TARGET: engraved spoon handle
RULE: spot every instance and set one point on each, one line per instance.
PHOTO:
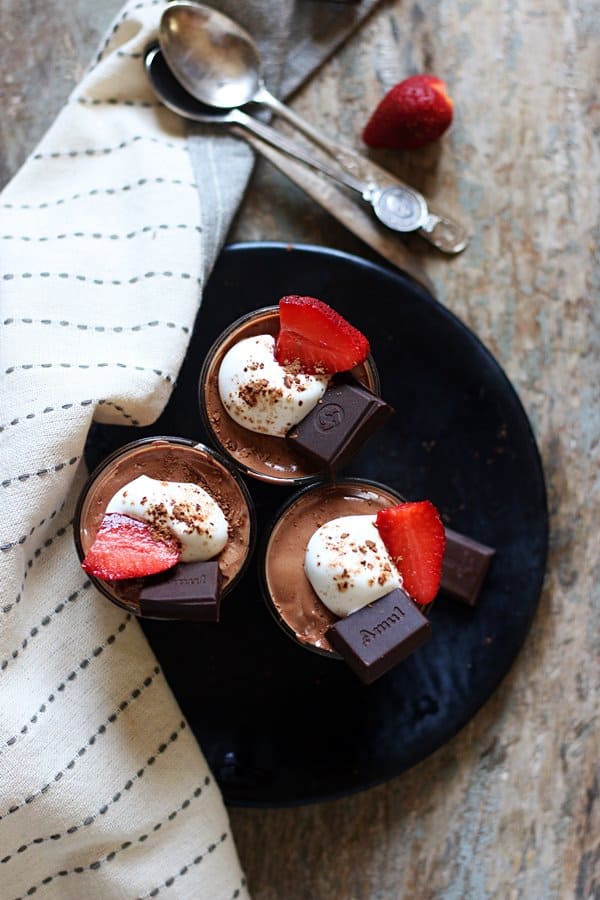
(440, 230)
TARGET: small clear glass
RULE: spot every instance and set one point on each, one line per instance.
(286, 590)
(266, 458)
(168, 459)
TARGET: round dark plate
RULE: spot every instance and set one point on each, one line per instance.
(283, 726)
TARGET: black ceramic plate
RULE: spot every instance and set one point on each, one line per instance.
(280, 725)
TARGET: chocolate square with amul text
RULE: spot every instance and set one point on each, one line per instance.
(377, 637)
(190, 591)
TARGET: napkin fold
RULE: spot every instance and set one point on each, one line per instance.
(108, 234)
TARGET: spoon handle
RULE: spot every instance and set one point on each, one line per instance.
(348, 159)
(400, 208)
(298, 151)
(356, 217)
(443, 232)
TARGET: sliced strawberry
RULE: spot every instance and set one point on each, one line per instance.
(314, 338)
(413, 113)
(415, 539)
(127, 548)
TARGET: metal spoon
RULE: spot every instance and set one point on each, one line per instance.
(218, 62)
(400, 208)
(336, 201)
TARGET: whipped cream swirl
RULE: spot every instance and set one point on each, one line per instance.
(182, 508)
(348, 564)
(261, 395)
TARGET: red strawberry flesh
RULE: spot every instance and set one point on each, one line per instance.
(317, 340)
(415, 538)
(413, 113)
(127, 548)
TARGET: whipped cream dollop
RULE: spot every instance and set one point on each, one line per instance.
(181, 507)
(348, 565)
(261, 395)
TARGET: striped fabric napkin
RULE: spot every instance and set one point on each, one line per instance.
(108, 234)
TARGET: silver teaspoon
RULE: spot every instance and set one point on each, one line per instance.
(337, 202)
(402, 209)
(219, 63)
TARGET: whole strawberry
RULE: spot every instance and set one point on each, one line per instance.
(413, 113)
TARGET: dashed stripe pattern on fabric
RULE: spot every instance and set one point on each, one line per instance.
(98, 236)
(62, 685)
(140, 839)
(104, 191)
(101, 730)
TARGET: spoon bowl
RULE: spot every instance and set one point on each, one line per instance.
(175, 97)
(211, 55)
(219, 63)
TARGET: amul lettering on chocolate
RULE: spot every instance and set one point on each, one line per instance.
(190, 591)
(370, 634)
(341, 422)
(379, 636)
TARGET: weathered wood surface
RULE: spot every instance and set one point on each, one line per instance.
(509, 808)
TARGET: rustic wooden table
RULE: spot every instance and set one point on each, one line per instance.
(508, 809)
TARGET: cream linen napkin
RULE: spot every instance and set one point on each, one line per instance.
(108, 234)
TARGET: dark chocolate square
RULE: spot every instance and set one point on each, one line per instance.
(379, 636)
(190, 591)
(465, 566)
(341, 422)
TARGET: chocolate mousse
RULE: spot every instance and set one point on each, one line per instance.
(288, 591)
(262, 456)
(169, 460)
(309, 518)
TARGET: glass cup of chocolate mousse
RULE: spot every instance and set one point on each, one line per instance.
(145, 472)
(280, 459)
(286, 588)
